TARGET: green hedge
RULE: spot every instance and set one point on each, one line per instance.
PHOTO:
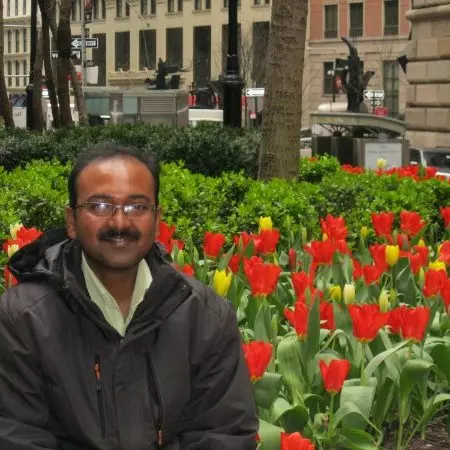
(36, 196)
(208, 148)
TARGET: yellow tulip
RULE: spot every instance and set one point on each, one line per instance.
(364, 232)
(392, 254)
(421, 243)
(221, 282)
(13, 229)
(265, 223)
(383, 301)
(335, 293)
(437, 265)
(349, 293)
(381, 163)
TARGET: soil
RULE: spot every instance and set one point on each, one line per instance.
(437, 438)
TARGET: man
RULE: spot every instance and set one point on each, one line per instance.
(103, 344)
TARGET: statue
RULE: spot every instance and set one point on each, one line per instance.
(354, 82)
(162, 71)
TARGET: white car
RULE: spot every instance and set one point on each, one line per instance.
(438, 157)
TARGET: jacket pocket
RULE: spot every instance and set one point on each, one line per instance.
(156, 407)
(99, 393)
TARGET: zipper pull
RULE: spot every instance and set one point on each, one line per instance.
(160, 438)
(98, 373)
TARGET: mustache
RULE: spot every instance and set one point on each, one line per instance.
(110, 234)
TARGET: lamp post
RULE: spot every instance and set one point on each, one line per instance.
(231, 79)
(33, 48)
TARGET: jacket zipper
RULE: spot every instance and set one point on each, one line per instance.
(99, 390)
(158, 421)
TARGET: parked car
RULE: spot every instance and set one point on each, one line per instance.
(438, 157)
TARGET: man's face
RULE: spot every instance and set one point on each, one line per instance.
(116, 242)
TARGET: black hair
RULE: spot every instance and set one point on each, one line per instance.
(110, 150)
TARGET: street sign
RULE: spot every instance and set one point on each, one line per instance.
(381, 111)
(254, 92)
(89, 43)
(370, 95)
(75, 54)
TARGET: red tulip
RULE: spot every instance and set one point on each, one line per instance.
(187, 269)
(415, 261)
(301, 281)
(367, 321)
(321, 251)
(234, 263)
(378, 253)
(213, 243)
(423, 252)
(257, 356)
(444, 252)
(411, 222)
(395, 319)
(334, 227)
(434, 281)
(246, 238)
(327, 316)
(28, 235)
(298, 319)
(334, 374)
(164, 236)
(263, 278)
(357, 269)
(445, 213)
(295, 441)
(372, 274)
(10, 280)
(382, 223)
(415, 322)
(445, 294)
(403, 241)
(268, 241)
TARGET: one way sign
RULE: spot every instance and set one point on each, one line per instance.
(88, 43)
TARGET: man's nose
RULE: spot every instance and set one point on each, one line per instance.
(119, 219)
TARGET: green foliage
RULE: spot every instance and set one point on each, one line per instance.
(314, 169)
(208, 148)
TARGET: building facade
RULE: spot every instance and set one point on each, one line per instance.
(16, 39)
(377, 28)
(134, 34)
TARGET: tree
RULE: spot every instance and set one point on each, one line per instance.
(4, 100)
(282, 117)
(38, 121)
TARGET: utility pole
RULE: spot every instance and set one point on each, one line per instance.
(33, 49)
(83, 43)
(231, 80)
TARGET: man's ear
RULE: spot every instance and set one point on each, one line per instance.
(70, 222)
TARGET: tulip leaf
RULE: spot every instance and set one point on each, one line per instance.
(383, 402)
(415, 371)
(225, 258)
(355, 439)
(372, 366)
(270, 435)
(267, 389)
(433, 404)
(263, 323)
(291, 418)
(441, 357)
(362, 397)
(290, 366)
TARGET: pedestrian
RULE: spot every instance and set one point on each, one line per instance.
(104, 344)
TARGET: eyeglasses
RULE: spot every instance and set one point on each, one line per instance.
(103, 209)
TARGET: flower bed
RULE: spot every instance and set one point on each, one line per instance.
(344, 346)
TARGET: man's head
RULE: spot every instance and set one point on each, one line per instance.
(113, 206)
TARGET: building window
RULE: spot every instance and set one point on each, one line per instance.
(391, 86)
(153, 7)
(9, 41)
(174, 46)
(328, 78)
(225, 3)
(17, 41)
(25, 42)
(171, 6)
(103, 9)
(16, 8)
(198, 5)
(207, 4)
(9, 73)
(147, 49)
(95, 9)
(8, 8)
(356, 20)
(180, 5)
(144, 7)
(390, 17)
(122, 50)
(118, 9)
(17, 73)
(331, 21)
(261, 2)
(25, 71)
(127, 8)
(24, 7)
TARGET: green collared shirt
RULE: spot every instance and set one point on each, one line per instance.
(106, 302)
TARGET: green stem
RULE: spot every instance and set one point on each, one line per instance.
(330, 419)
(400, 435)
(363, 364)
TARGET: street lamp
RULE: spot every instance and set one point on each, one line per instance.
(231, 79)
(33, 48)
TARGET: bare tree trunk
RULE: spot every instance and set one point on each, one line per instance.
(78, 94)
(282, 117)
(6, 106)
(50, 81)
(38, 122)
(63, 39)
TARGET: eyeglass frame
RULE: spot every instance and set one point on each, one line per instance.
(148, 208)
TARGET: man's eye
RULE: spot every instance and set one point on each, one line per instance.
(100, 207)
(137, 207)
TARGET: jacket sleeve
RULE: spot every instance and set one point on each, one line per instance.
(23, 410)
(221, 414)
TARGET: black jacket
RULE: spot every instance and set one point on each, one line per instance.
(177, 380)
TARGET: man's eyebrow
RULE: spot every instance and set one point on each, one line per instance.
(108, 197)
